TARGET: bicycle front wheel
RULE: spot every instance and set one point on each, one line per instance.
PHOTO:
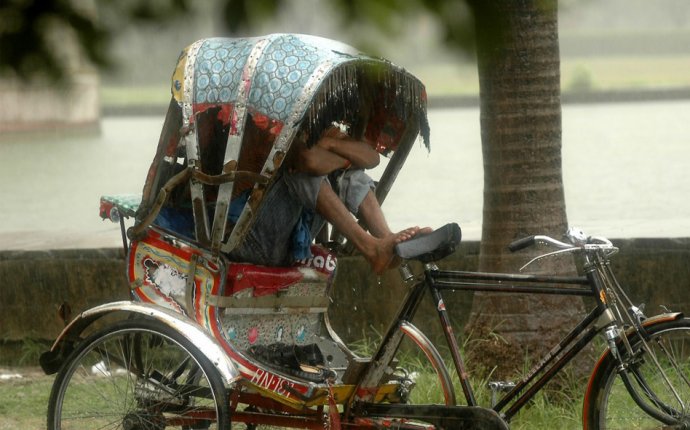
(138, 374)
(657, 391)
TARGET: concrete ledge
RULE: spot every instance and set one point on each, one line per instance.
(36, 283)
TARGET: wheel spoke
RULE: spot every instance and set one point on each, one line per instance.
(140, 375)
(658, 377)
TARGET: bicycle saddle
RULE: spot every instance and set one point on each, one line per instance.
(431, 247)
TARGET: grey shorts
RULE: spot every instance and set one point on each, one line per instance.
(269, 241)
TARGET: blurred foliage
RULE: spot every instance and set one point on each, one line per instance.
(389, 16)
(32, 32)
(581, 80)
(243, 14)
(27, 30)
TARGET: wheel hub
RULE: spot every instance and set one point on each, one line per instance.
(143, 420)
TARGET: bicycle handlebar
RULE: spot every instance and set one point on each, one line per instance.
(528, 241)
(576, 239)
(523, 243)
(578, 242)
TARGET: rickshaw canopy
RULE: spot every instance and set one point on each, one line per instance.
(239, 103)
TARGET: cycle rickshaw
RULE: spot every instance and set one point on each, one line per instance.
(207, 341)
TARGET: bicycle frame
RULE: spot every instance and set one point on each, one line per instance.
(438, 281)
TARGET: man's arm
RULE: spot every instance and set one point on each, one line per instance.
(359, 154)
(335, 150)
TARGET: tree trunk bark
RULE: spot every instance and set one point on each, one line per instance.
(519, 74)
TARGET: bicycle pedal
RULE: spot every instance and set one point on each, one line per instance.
(499, 387)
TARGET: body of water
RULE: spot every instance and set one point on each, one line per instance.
(625, 172)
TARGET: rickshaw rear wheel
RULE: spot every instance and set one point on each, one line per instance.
(139, 374)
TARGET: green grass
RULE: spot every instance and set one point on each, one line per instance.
(577, 74)
(549, 406)
(23, 402)
(562, 404)
(626, 73)
(158, 94)
(23, 352)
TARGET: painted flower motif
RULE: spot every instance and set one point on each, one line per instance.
(261, 121)
(301, 334)
(253, 335)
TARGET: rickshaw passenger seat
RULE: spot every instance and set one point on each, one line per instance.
(255, 304)
(116, 206)
(265, 280)
(177, 220)
(180, 220)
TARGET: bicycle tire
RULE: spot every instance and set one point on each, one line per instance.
(138, 374)
(608, 403)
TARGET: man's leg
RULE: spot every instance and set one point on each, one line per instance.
(372, 215)
(377, 250)
(355, 190)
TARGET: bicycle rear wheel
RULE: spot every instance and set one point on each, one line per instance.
(663, 391)
(138, 375)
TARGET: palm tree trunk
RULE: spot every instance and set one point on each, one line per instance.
(519, 73)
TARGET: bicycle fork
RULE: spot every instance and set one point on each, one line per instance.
(617, 337)
(629, 371)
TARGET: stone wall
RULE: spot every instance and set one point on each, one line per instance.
(34, 284)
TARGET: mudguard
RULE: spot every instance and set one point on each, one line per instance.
(656, 319)
(206, 344)
(434, 358)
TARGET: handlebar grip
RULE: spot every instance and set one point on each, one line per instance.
(523, 243)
